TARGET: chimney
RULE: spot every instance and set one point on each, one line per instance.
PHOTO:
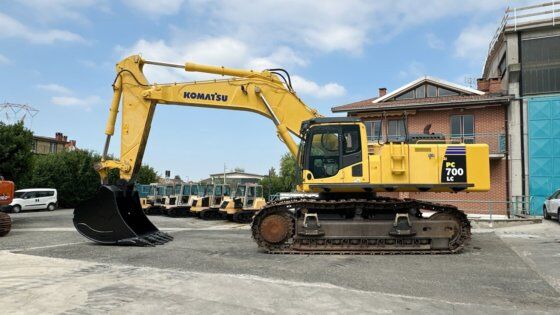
(482, 85)
(490, 85)
(382, 92)
(495, 85)
(65, 138)
(58, 136)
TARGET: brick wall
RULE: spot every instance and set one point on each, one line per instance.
(488, 123)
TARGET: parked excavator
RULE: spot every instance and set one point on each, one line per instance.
(156, 202)
(6, 196)
(334, 160)
(179, 204)
(248, 200)
(221, 194)
(203, 200)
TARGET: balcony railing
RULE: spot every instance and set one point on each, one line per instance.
(496, 141)
(546, 13)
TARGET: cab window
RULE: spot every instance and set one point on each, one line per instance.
(227, 191)
(324, 153)
(251, 192)
(351, 140)
(218, 191)
(186, 190)
(240, 191)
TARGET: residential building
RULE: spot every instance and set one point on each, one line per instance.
(47, 145)
(461, 114)
(524, 56)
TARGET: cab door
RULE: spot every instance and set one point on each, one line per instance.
(335, 154)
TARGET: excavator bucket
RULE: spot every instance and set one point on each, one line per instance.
(115, 216)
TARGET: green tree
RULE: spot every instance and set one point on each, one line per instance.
(16, 158)
(147, 175)
(283, 182)
(288, 171)
(70, 172)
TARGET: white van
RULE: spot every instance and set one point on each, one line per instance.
(34, 199)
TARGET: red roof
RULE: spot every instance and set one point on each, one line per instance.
(421, 102)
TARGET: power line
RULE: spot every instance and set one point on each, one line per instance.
(12, 113)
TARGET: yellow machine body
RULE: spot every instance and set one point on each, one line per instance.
(334, 158)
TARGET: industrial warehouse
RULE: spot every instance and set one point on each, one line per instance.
(435, 192)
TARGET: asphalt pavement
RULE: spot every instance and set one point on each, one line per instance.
(215, 267)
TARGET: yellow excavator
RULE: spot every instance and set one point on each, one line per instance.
(334, 158)
(247, 201)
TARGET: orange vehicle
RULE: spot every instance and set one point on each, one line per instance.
(6, 195)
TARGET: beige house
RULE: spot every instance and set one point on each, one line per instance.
(48, 145)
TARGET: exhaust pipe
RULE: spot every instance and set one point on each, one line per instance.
(114, 216)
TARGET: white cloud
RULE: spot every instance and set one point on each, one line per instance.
(71, 101)
(434, 41)
(155, 7)
(4, 60)
(224, 51)
(472, 43)
(305, 86)
(413, 71)
(55, 88)
(52, 11)
(10, 27)
(328, 25)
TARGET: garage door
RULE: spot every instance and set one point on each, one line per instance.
(544, 149)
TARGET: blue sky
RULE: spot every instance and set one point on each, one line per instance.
(58, 56)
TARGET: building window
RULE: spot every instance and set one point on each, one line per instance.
(431, 91)
(405, 96)
(52, 148)
(420, 91)
(462, 128)
(502, 66)
(446, 92)
(396, 130)
(373, 129)
(540, 65)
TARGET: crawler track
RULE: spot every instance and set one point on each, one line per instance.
(283, 213)
(5, 224)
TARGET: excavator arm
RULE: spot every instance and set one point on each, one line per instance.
(263, 93)
(114, 215)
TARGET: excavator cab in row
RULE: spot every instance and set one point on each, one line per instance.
(247, 201)
(179, 204)
(222, 193)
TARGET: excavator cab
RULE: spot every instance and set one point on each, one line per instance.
(247, 201)
(204, 200)
(222, 193)
(177, 204)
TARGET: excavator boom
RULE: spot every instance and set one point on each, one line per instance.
(114, 215)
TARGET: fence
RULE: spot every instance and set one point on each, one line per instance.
(518, 206)
(547, 13)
